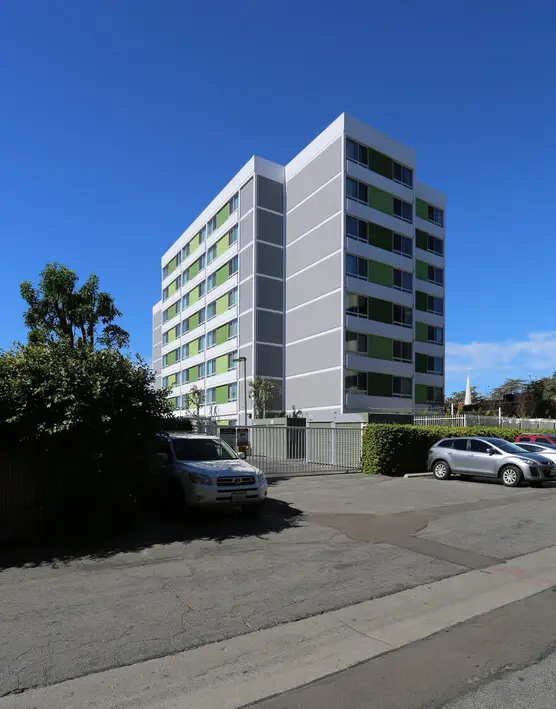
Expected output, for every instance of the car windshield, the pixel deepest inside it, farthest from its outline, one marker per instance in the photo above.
(202, 449)
(505, 446)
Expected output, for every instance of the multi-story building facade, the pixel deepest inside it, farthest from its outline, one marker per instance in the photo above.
(326, 274)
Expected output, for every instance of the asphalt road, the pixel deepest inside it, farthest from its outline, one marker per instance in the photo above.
(324, 543)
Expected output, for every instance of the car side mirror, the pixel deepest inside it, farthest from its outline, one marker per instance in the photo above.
(162, 458)
(241, 455)
(492, 451)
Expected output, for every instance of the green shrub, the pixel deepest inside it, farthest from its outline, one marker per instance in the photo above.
(397, 449)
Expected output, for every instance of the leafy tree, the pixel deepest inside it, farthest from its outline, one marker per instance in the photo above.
(262, 390)
(58, 311)
(195, 400)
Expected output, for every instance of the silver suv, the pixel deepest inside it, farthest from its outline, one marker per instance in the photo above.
(488, 457)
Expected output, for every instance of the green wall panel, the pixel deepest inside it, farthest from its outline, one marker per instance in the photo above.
(222, 245)
(172, 265)
(222, 364)
(221, 334)
(380, 237)
(421, 363)
(421, 332)
(222, 275)
(379, 384)
(222, 304)
(173, 287)
(422, 270)
(193, 373)
(222, 394)
(172, 380)
(194, 269)
(194, 321)
(193, 348)
(222, 215)
(194, 295)
(380, 310)
(172, 357)
(378, 162)
(379, 347)
(172, 311)
(421, 209)
(421, 393)
(421, 301)
(172, 334)
(380, 273)
(383, 201)
(421, 239)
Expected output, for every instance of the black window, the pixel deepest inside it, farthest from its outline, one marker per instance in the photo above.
(356, 382)
(356, 190)
(435, 275)
(478, 446)
(356, 266)
(524, 438)
(531, 447)
(402, 351)
(401, 386)
(402, 315)
(460, 444)
(403, 174)
(352, 150)
(435, 215)
(445, 444)
(542, 440)
(356, 229)
(402, 245)
(435, 334)
(435, 305)
(436, 246)
(403, 210)
(356, 343)
(402, 280)
(357, 305)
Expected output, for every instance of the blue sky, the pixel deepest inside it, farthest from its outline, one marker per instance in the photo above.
(121, 120)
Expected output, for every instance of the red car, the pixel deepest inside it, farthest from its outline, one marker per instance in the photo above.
(542, 438)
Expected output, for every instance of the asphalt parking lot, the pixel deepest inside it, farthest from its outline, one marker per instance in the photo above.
(323, 543)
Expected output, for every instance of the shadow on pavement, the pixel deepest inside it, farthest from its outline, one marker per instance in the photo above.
(214, 525)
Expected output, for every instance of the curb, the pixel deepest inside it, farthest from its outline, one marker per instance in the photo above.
(418, 475)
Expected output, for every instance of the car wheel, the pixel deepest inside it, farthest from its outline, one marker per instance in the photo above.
(253, 511)
(511, 476)
(441, 470)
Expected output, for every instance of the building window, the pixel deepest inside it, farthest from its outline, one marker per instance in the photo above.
(435, 305)
(232, 391)
(232, 204)
(357, 191)
(356, 343)
(185, 376)
(401, 315)
(402, 280)
(436, 275)
(401, 387)
(211, 310)
(357, 153)
(427, 242)
(185, 251)
(185, 351)
(201, 372)
(356, 383)
(211, 395)
(202, 234)
(402, 245)
(211, 367)
(435, 365)
(402, 351)
(232, 266)
(435, 395)
(211, 281)
(186, 301)
(357, 305)
(356, 267)
(185, 276)
(232, 236)
(211, 339)
(211, 254)
(232, 298)
(185, 326)
(232, 329)
(435, 335)
(165, 293)
(402, 174)
(435, 215)
(232, 360)
(201, 316)
(202, 288)
(403, 210)
(202, 262)
(357, 229)
(201, 343)
(211, 226)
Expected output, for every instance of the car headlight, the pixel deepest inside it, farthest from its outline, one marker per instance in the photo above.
(200, 479)
(259, 473)
(528, 461)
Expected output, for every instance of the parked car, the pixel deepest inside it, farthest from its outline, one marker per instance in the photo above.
(541, 448)
(543, 438)
(488, 457)
(211, 473)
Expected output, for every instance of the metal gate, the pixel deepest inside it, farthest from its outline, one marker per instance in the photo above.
(291, 450)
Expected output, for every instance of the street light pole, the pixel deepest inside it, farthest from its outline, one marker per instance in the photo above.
(244, 360)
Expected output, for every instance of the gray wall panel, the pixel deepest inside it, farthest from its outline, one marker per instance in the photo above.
(270, 227)
(269, 293)
(270, 361)
(246, 263)
(245, 324)
(246, 295)
(315, 174)
(323, 389)
(322, 278)
(157, 319)
(157, 351)
(320, 316)
(270, 194)
(321, 352)
(270, 327)
(316, 209)
(246, 351)
(321, 242)
(246, 230)
(246, 197)
(270, 260)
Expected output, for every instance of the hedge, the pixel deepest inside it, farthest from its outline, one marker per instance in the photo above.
(397, 449)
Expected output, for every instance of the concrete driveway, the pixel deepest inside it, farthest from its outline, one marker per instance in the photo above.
(323, 543)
